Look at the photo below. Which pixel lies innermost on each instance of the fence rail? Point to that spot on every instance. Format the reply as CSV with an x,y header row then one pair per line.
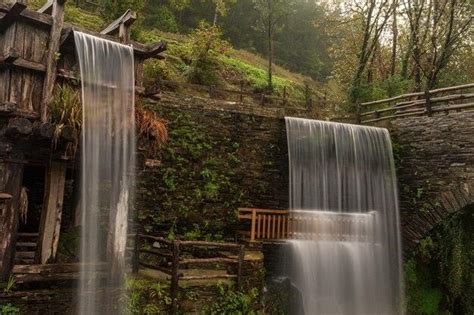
x,y
418,104
172,256
263,98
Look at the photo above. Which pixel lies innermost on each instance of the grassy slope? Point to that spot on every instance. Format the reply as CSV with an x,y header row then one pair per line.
x,y
235,66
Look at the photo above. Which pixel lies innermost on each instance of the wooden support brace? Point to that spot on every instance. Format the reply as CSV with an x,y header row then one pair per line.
x,y
47,7
12,15
121,26
52,57
11,175
51,214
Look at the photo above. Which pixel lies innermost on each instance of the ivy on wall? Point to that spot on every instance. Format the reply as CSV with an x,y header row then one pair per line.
x,y
193,192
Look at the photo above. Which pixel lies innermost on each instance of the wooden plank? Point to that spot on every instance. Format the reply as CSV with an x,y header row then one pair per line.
x,y
47,7
51,59
210,277
259,220
156,252
50,223
121,26
29,16
12,15
218,260
11,175
252,227
156,267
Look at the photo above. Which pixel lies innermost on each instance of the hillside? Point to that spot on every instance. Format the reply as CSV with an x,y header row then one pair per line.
x,y
225,68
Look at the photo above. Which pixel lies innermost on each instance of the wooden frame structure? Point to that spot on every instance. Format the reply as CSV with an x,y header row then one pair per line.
x,y
418,104
36,51
170,256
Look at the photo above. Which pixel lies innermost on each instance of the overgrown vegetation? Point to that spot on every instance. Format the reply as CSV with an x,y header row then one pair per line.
x,y
232,302
192,192
146,297
439,277
9,309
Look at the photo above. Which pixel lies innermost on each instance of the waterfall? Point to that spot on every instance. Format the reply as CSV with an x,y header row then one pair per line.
x,y
346,259
108,163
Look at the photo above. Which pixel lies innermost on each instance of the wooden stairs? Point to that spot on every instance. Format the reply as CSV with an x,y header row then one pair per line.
x,y
26,248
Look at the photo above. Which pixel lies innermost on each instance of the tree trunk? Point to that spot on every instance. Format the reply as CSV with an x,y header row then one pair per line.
x,y
270,47
216,16
394,40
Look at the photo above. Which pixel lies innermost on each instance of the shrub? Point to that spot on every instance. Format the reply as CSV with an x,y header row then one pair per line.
x,y
206,47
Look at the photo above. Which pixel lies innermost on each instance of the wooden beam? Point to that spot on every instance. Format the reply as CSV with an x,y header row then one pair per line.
x,y
47,7
14,11
52,57
51,214
11,177
121,26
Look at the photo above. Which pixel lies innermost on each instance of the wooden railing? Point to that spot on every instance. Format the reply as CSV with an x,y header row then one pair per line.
x,y
266,224
417,104
169,257
276,225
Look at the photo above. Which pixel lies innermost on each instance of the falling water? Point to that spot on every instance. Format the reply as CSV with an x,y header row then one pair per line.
x,y
108,150
345,257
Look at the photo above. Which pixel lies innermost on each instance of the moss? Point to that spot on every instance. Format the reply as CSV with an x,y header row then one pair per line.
x,y
440,275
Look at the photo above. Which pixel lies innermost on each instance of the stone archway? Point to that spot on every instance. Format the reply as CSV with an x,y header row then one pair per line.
x,y
435,168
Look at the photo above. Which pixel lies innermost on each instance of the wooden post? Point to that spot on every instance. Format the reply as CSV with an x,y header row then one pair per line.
x,y
358,112
210,89
262,99
429,110
136,253
52,56
11,177
51,214
239,267
252,229
241,91
284,95
175,277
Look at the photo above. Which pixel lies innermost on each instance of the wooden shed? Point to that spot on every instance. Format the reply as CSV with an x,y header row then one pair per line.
x,y
36,53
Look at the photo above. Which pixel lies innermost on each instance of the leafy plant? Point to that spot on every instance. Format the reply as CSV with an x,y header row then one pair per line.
x,y
9,309
231,302
206,47
9,285
66,112
146,296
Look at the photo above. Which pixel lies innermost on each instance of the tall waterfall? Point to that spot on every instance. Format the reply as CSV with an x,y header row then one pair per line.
x,y
108,163
347,258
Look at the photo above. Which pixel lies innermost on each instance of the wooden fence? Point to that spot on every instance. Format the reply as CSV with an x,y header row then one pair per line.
x,y
222,93
170,256
418,104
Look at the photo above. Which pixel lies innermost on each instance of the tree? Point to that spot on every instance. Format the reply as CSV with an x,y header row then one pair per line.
x,y
374,15
271,14
222,6
437,29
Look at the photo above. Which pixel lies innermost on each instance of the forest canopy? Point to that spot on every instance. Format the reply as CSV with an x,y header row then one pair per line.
x,y
359,49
